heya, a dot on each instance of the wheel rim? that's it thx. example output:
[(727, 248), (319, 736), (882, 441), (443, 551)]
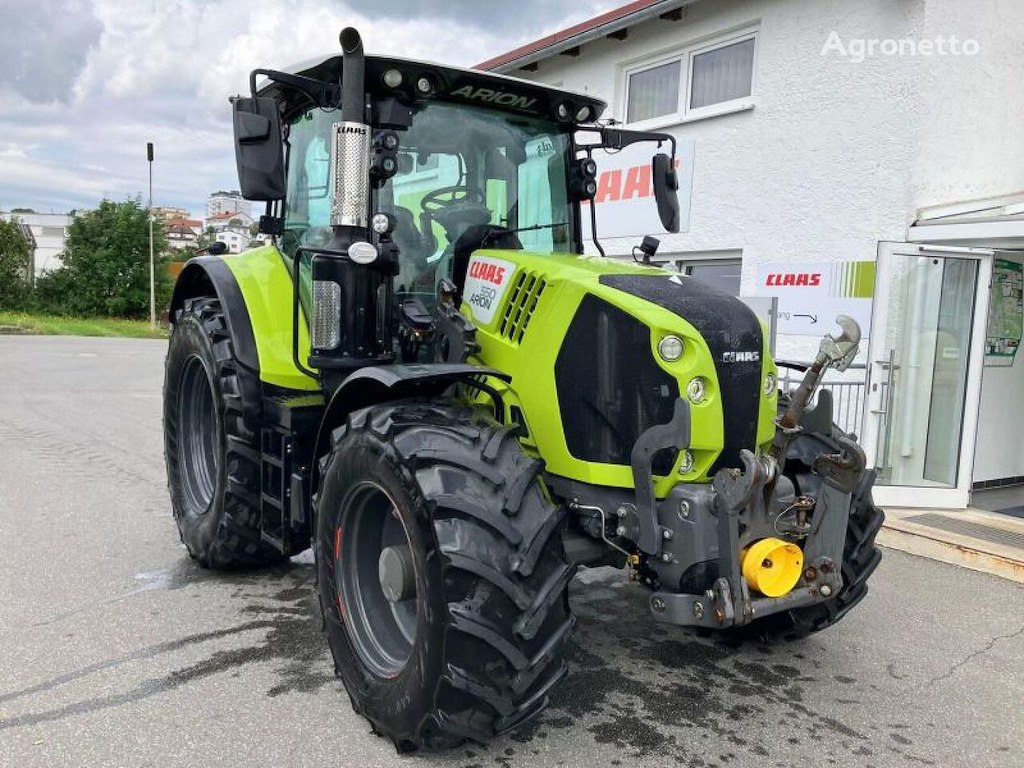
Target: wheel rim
[(375, 578), (197, 439)]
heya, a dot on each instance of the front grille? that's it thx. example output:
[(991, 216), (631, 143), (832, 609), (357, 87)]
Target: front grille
[(521, 305), (728, 326), (610, 388)]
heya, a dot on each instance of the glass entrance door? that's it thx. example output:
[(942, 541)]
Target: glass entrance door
[(926, 353)]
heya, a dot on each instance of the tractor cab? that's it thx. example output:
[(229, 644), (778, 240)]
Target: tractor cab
[(419, 166)]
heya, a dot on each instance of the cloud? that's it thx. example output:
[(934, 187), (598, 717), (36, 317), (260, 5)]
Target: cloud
[(497, 19), (88, 83), (45, 44)]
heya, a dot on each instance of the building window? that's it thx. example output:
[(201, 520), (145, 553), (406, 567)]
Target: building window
[(654, 92), (714, 268), (697, 81), (721, 74)]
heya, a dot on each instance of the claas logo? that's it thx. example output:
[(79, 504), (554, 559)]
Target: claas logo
[(485, 270), (793, 278), (626, 184)]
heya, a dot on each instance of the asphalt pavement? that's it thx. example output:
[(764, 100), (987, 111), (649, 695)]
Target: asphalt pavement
[(115, 649)]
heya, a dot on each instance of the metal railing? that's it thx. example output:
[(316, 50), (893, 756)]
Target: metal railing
[(849, 393)]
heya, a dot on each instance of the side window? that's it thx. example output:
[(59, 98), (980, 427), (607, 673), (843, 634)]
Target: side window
[(430, 173), (307, 206), (542, 196)]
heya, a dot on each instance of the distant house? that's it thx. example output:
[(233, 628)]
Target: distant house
[(48, 233), (167, 213), (235, 241), (227, 202), (183, 233), (233, 220)]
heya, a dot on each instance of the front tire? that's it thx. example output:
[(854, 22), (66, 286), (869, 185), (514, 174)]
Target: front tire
[(212, 454), (441, 574)]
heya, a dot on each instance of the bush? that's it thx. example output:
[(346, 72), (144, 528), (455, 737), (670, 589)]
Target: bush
[(105, 268), (15, 263)]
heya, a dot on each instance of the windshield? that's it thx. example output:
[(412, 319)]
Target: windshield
[(462, 171)]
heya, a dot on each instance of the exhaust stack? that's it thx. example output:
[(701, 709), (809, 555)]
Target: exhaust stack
[(350, 153), (350, 323)]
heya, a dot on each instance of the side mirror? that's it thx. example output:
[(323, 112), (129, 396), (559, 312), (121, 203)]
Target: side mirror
[(259, 150), (666, 183)]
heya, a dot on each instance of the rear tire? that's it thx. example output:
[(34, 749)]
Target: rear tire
[(212, 455), (860, 555), (473, 643)]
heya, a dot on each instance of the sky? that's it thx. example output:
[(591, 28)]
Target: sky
[(84, 84)]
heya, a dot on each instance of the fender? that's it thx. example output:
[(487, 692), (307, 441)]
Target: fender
[(209, 275), (255, 289), (380, 384)]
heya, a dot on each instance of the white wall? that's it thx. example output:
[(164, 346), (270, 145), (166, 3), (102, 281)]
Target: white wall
[(1000, 450), (818, 168), (50, 232), (835, 155), (970, 145)]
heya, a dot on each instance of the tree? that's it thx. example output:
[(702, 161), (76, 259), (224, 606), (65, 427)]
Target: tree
[(106, 259), (15, 265)]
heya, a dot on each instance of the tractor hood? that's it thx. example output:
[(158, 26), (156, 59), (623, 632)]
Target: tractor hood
[(581, 337)]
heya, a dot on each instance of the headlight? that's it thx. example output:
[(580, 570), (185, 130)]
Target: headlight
[(769, 384), (670, 348), (697, 390)]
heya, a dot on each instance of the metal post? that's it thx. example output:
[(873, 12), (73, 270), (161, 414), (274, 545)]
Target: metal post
[(152, 268)]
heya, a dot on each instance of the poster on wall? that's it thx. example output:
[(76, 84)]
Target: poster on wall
[(811, 294), (625, 192), (1005, 313)]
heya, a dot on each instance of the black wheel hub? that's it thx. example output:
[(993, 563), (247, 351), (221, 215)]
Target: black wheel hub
[(375, 577), (197, 439)]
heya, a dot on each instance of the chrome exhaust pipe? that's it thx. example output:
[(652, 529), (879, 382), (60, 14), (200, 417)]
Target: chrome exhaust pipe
[(350, 150)]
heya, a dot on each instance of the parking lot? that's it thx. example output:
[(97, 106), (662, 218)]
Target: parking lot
[(118, 650)]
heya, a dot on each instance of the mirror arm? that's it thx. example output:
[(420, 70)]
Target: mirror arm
[(322, 93), (616, 138)]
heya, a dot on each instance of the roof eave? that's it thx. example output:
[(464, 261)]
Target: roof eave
[(532, 54)]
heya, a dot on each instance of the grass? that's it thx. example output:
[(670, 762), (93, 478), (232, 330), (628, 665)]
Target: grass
[(55, 325)]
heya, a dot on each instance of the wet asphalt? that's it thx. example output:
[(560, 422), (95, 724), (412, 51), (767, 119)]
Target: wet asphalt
[(115, 649)]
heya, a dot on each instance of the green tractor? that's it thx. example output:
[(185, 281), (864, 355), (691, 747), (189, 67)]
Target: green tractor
[(425, 379)]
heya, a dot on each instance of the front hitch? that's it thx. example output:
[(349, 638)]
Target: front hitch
[(834, 352), (742, 494)]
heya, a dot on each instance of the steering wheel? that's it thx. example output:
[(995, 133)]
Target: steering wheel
[(457, 196)]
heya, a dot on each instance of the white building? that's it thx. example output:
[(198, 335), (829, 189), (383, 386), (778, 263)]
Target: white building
[(49, 232), (823, 142), (183, 233), (236, 241), (229, 220), (227, 202), (170, 213)]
